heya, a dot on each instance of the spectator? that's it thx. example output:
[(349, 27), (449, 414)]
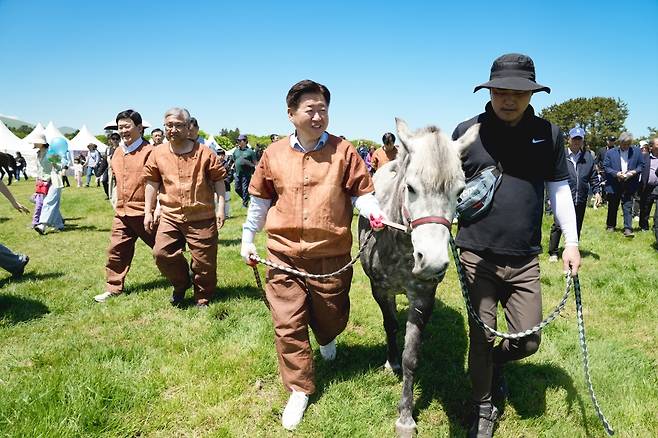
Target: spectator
[(227, 164), (101, 173), (157, 136), (499, 250), (128, 224), (188, 217), (92, 160), (21, 167), (648, 187), (274, 137), (245, 162), (48, 189), (386, 153), (368, 159), (582, 178), (313, 177), (622, 165), (77, 171), (9, 260)]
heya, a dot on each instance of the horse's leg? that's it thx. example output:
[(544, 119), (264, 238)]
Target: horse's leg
[(10, 173), (420, 310), (386, 303)]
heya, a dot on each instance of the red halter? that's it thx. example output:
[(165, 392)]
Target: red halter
[(424, 220)]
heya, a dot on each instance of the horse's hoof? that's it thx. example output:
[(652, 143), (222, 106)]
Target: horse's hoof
[(405, 430), (395, 369)]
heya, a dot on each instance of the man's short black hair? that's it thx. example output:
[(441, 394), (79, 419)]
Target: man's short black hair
[(157, 130), (194, 122), (388, 138), (130, 114), (115, 136), (302, 87), (221, 151)]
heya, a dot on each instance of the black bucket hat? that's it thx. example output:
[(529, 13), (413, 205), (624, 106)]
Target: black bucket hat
[(513, 71)]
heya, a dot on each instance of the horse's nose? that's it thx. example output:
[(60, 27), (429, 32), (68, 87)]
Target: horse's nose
[(424, 268)]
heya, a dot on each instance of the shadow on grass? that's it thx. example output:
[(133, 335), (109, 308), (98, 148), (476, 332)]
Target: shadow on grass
[(3, 219), (149, 285), (440, 374), (587, 253), (237, 292), (14, 309), (229, 242), (30, 276), (529, 383), (74, 227)]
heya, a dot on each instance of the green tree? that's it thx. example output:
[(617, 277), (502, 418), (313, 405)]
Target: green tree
[(102, 138), (224, 142), (231, 134), (22, 131), (72, 134), (598, 116)]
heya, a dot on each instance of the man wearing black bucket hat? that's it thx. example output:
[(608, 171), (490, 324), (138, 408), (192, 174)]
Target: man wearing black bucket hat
[(499, 251)]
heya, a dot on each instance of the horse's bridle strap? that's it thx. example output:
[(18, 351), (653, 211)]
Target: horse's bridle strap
[(430, 220)]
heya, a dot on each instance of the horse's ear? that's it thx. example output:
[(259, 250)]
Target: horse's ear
[(471, 134), (403, 132)]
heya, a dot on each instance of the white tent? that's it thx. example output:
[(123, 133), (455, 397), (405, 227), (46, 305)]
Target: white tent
[(53, 132), (82, 140), (36, 132), (8, 141)]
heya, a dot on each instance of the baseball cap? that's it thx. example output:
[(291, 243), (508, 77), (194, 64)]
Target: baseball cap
[(577, 132), (242, 137)]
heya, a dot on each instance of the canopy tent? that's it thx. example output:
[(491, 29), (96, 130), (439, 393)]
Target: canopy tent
[(53, 132), (36, 132), (82, 140), (8, 141)]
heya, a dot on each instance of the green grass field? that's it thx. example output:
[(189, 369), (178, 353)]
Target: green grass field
[(135, 366)]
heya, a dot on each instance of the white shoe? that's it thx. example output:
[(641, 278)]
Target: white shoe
[(101, 298), (552, 258), (328, 351), (294, 411)]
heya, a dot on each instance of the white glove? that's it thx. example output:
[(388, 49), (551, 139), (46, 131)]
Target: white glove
[(247, 250)]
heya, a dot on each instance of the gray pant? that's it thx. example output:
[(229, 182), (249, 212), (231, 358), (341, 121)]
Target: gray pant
[(9, 260), (514, 282)]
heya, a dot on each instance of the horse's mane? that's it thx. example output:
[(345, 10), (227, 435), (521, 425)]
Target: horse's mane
[(440, 166)]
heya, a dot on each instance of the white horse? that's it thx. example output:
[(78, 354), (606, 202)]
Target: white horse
[(418, 189)]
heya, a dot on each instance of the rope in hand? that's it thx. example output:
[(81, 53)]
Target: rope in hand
[(581, 326)]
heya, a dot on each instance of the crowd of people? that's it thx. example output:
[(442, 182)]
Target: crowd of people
[(173, 193)]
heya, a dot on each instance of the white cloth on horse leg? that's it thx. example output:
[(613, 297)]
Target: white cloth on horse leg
[(368, 205), (328, 352), (565, 213)]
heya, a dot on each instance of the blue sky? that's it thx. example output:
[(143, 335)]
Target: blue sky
[(231, 63)]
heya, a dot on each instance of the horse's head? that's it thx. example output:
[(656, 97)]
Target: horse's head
[(429, 180)]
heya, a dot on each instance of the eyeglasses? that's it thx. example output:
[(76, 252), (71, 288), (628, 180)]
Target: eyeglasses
[(178, 126)]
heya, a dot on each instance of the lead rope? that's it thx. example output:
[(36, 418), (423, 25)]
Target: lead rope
[(581, 326)]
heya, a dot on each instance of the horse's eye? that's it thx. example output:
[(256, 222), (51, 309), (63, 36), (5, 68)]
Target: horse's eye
[(410, 189)]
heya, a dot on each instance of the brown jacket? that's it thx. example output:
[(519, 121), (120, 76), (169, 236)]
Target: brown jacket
[(128, 169), (187, 192), (381, 157), (311, 192)]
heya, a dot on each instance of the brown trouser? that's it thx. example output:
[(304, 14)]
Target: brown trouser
[(125, 232), (514, 282), (201, 239), (296, 303)]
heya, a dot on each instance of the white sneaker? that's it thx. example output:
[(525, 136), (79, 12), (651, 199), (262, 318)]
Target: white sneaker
[(552, 258), (294, 411), (328, 351), (101, 298)]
